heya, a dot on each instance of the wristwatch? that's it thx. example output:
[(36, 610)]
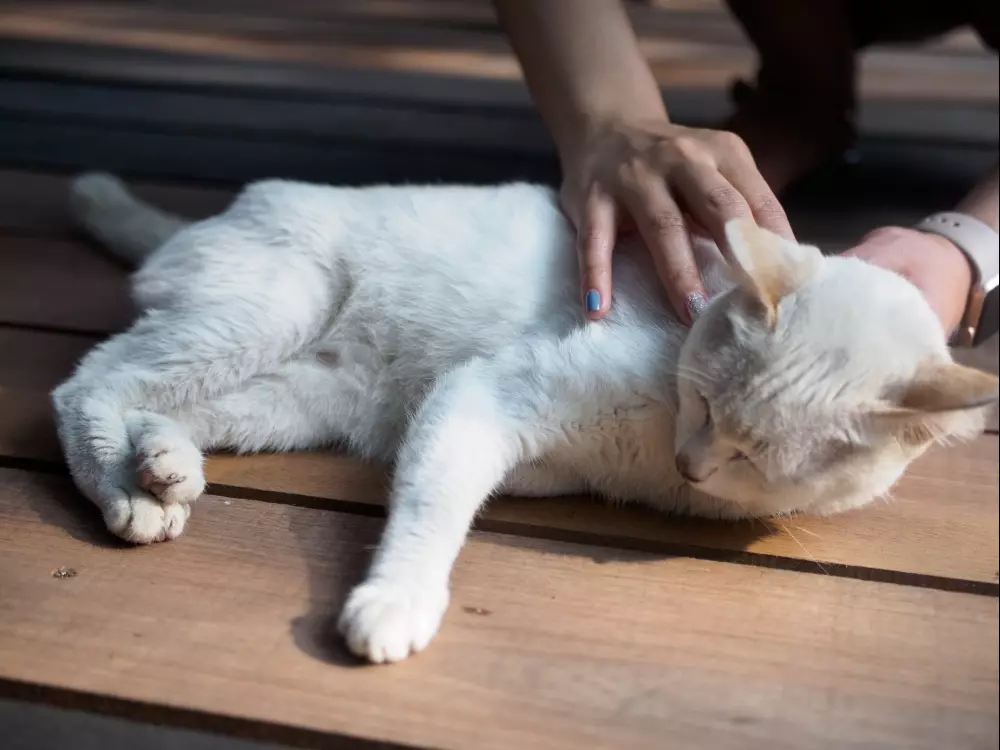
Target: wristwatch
[(981, 245)]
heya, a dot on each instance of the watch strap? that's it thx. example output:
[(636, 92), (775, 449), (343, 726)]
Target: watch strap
[(980, 244)]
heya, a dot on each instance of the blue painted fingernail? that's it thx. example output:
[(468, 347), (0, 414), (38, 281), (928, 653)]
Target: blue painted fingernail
[(593, 301), (696, 304)]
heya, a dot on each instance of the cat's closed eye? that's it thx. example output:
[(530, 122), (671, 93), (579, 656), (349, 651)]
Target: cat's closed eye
[(707, 406), (750, 456)]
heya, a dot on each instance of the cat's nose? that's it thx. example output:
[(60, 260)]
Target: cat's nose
[(691, 471)]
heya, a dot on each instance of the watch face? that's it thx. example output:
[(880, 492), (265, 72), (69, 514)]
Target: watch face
[(989, 319)]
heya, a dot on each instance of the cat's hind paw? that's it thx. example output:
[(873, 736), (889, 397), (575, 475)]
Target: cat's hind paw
[(384, 621), (169, 467), (139, 518)]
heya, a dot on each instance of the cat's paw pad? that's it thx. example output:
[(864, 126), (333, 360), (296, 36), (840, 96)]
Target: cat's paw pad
[(386, 622), (170, 469), (139, 518)]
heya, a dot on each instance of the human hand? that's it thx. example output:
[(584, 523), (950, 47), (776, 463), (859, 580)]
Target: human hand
[(650, 175), (931, 262)]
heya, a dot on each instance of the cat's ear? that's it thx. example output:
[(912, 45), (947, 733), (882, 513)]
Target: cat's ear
[(767, 266), (943, 399)]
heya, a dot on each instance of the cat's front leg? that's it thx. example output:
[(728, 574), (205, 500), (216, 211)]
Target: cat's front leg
[(466, 437)]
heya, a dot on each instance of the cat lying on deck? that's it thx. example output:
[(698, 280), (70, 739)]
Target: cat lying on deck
[(439, 329)]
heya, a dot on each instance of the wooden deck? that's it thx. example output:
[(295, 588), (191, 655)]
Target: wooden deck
[(574, 625)]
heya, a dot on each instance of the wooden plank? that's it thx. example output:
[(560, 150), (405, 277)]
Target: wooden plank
[(34, 203), (248, 116), (682, 54), (546, 644), (40, 360), (473, 102), (61, 283), (940, 529), (33, 726), (218, 156), (27, 429)]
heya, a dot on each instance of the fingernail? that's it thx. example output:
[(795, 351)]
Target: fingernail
[(696, 304), (593, 301)]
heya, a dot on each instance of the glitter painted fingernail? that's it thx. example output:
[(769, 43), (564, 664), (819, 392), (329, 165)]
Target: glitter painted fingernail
[(696, 304), (593, 301)]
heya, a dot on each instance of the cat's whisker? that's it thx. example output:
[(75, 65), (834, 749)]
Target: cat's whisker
[(807, 553), (807, 531), (753, 516)]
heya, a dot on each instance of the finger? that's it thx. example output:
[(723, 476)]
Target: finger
[(662, 226), (736, 165), (594, 247), (767, 211), (710, 198)]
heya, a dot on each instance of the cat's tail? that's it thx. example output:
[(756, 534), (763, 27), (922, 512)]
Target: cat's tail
[(128, 227)]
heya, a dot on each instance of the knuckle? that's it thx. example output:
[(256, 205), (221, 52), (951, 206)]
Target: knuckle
[(627, 173), (731, 144), (687, 148)]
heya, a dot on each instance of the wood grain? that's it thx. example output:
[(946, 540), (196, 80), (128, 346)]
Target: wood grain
[(546, 644)]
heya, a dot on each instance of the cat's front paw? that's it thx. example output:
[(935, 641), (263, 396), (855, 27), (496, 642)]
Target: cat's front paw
[(139, 518), (385, 621)]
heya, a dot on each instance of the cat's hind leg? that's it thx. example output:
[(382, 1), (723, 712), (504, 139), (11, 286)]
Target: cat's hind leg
[(299, 405), (108, 476), (240, 304), (168, 362)]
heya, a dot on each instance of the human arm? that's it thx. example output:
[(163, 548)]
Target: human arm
[(623, 160)]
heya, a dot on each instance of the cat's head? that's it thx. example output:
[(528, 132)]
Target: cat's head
[(814, 382)]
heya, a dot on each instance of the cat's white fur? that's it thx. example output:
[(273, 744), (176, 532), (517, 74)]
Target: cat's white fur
[(439, 328)]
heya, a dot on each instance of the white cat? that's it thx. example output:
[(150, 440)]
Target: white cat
[(440, 328)]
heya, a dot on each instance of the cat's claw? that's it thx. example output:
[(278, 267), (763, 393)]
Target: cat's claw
[(170, 469), (386, 622), (139, 518)]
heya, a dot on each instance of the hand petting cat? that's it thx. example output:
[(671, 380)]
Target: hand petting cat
[(656, 177)]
